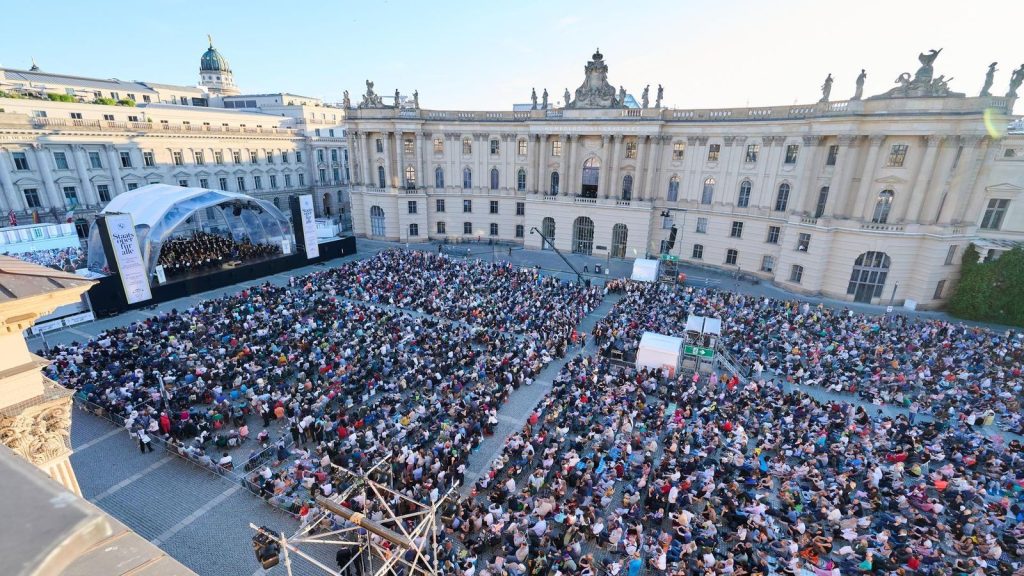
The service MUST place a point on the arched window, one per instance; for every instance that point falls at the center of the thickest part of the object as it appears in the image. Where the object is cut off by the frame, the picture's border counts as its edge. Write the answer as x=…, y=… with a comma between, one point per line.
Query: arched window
x=744, y=199
x=583, y=236
x=410, y=176
x=494, y=178
x=673, y=189
x=327, y=203
x=380, y=177
x=782, y=198
x=882, y=207
x=467, y=178
x=591, y=177
x=868, y=276
x=708, y=192
x=521, y=180
x=819, y=210
x=438, y=177
x=547, y=227
x=627, y=187
x=554, y=183
x=376, y=221
x=620, y=234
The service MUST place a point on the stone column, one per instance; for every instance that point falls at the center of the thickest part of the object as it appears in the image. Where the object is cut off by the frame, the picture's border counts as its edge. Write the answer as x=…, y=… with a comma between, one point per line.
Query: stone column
x=604, y=176
x=454, y=150
x=693, y=182
x=89, y=197
x=423, y=140
x=652, y=167
x=114, y=164
x=614, y=188
x=15, y=200
x=839, y=193
x=46, y=175
x=732, y=151
x=921, y=189
x=388, y=177
x=805, y=187
x=641, y=173
x=864, y=206
x=968, y=169
x=508, y=143
x=366, y=161
x=566, y=181
x=543, y=179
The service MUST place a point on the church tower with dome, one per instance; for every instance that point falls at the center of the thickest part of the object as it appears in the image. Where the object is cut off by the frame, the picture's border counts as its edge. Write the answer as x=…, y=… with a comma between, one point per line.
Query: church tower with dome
x=215, y=73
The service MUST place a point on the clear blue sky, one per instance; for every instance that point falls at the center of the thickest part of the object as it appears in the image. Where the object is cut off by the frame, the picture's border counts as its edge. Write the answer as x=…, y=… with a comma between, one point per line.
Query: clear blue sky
x=488, y=55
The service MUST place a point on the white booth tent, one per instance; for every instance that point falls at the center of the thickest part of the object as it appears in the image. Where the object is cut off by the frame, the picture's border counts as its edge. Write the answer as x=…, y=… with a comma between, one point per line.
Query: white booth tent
x=645, y=270
x=659, y=351
x=162, y=211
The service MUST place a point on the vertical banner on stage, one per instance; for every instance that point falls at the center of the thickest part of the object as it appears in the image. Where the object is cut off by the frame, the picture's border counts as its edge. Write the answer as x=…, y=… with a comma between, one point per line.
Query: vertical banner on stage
x=125, y=246
x=308, y=215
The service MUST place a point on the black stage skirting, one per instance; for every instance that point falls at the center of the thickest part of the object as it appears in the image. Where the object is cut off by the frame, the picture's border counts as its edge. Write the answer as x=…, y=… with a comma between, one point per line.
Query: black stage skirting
x=108, y=299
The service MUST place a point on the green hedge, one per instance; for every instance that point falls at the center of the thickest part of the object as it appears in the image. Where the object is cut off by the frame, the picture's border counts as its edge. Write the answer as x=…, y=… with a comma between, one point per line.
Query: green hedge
x=60, y=97
x=104, y=101
x=991, y=291
x=126, y=102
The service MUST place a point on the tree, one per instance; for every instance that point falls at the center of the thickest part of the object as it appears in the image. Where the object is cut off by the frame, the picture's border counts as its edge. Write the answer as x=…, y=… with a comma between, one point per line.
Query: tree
x=1008, y=295
x=992, y=291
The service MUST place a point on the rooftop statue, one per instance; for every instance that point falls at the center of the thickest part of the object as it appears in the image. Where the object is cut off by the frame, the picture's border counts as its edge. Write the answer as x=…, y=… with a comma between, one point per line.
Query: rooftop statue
x=988, y=80
x=922, y=84
x=345, y=101
x=371, y=99
x=826, y=89
x=533, y=99
x=860, y=85
x=1015, y=80
x=568, y=99
x=595, y=92
x=544, y=100
x=645, y=97
x=661, y=94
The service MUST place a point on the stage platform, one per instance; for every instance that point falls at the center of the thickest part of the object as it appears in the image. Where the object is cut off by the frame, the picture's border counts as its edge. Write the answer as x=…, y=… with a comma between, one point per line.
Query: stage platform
x=108, y=298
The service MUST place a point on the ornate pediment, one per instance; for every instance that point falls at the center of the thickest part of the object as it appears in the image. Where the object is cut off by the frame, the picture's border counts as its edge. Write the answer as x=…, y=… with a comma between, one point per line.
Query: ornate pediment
x=891, y=180
x=1005, y=188
x=595, y=92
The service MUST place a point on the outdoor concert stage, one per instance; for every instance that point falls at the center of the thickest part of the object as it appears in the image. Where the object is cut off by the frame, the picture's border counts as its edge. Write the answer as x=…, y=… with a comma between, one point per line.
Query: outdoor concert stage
x=108, y=295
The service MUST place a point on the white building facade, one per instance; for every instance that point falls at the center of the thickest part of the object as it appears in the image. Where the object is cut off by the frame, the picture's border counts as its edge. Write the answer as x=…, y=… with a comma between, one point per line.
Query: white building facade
x=845, y=199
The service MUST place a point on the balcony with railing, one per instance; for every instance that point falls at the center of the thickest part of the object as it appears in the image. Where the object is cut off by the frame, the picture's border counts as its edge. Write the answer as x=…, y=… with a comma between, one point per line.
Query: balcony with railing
x=123, y=126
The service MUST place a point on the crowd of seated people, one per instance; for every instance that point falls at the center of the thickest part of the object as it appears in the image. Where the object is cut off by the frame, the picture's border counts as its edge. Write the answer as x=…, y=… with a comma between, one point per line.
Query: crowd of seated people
x=66, y=259
x=936, y=367
x=203, y=252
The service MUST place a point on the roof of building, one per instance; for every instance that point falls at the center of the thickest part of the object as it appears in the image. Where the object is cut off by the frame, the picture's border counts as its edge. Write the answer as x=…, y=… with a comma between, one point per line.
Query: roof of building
x=212, y=61
x=282, y=94
x=193, y=89
x=41, y=79
x=19, y=279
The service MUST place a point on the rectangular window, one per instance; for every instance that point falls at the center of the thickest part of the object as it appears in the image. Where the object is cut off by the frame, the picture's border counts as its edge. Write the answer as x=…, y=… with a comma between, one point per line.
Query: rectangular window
x=467, y=205
x=494, y=206
x=897, y=154
x=241, y=183
x=257, y=182
x=439, y=205
x=133, y=118
x=270, y=156
x=467, y=146
x=176, y=155
x=39, y=114
x=520, y=208
x=334, y=152
x=103, y=190
x=467, y=227
x=803, y=242
x=773, y=235
x=320, y=155
x=678, y=149
x=316, y=131
x=134, y=185
x=951, y=254
x=147, y=159
x=938, y=290
x=737, y=230
x=556, y=148
x=833, y=155
x=752, y=151
x=287, y=180
x=199, y=158
x=273, y=181
x=20, y=161
x=126, y=159
x=791, y=152
x=412, y=206
x=336, y=174
x=218, y=157
x=70, y=196
x=495, y=149
x=702, y=225
x=236, y=156
x=183, y=183
x=298, y=156
x=302, y=180
x=994, y=213
x=494, y=229
x=95, y=161
x=631, y=149
x=522, y=147
x=438, y=146
x=767, y=263
x=61, y=160
x=223, y=182
x=380, y=146
x=323, y=175
x=204, y=183
x=108, y=117
x=698, y=252
x=731, y=256
x=519, y=230
x=414, y=229
x=440, y=228
x=76, y=115
x=713, y=151
x=32, y=198
x=254, y=157
x=284, y=156
x=796, y=273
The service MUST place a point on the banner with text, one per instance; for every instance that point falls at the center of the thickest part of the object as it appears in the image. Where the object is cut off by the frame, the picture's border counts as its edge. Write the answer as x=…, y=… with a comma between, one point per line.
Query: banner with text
x=308, y=226
x=125, y=244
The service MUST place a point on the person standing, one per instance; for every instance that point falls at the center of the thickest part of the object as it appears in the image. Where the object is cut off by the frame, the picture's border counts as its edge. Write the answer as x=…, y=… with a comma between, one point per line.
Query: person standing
x=145, y=442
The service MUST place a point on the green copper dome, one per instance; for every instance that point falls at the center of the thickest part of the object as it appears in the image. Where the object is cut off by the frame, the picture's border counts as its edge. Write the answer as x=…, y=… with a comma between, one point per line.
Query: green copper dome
x=212, y=61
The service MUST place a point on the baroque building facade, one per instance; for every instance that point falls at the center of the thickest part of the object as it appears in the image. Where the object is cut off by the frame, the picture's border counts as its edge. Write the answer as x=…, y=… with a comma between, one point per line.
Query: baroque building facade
x=868, y=200
x=63, y=157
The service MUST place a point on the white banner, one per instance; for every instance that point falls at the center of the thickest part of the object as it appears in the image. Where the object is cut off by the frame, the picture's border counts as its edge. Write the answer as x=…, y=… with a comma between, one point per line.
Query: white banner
x=129, y=258
x=161, y=274
x=286, y=246
x=308, y=226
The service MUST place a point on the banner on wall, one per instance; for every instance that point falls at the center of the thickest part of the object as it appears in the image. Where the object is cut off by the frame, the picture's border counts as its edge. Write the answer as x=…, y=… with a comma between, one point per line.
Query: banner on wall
x=125, y=246
x=308, y=216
